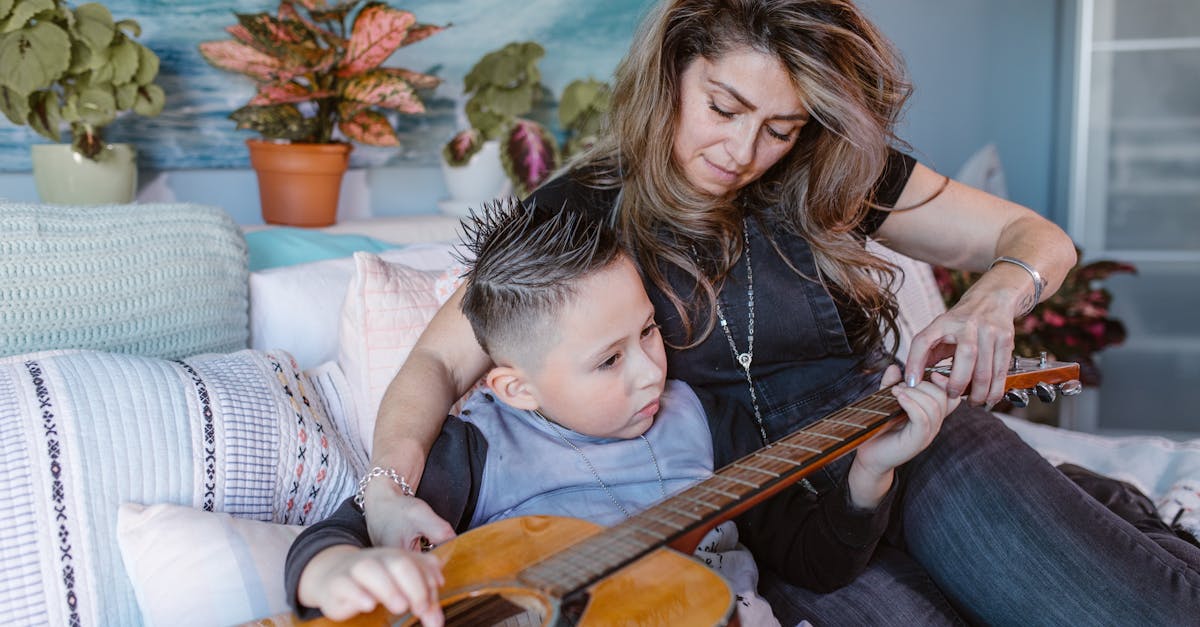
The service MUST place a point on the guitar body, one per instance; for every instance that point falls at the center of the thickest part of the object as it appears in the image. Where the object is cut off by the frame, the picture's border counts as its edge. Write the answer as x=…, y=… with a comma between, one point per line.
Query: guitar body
x=665, y=588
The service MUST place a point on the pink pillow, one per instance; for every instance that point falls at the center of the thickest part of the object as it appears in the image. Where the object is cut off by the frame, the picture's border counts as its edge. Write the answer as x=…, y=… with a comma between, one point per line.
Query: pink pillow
x=386, y=309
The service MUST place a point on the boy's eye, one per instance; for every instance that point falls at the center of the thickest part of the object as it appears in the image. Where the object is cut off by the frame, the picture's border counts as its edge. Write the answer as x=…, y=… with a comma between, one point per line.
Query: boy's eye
x=610, y=362
x=719, y=111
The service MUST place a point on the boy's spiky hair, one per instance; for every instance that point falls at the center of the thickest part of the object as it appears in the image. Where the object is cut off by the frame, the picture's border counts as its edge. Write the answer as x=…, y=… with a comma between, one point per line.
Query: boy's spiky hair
x=527, y=262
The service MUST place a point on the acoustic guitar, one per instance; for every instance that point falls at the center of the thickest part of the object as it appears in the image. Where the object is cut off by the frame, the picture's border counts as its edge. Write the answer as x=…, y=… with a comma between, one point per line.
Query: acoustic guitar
x=548, y=570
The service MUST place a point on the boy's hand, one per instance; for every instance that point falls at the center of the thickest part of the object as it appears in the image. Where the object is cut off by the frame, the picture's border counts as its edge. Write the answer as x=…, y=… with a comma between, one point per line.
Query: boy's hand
x=343, y=581
x=401, y=521
x=874, y=465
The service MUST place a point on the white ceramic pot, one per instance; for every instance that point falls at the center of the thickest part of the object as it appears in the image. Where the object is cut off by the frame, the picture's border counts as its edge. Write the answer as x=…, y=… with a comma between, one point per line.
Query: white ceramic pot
x=63, y=176
x=480, y=180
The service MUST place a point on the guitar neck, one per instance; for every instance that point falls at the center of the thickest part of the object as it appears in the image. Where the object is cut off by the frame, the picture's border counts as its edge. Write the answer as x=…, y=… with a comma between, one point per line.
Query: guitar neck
x=682, y=520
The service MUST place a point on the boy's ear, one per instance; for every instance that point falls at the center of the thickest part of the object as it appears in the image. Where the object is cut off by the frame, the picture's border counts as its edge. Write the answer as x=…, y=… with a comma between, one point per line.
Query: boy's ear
x=510, y=385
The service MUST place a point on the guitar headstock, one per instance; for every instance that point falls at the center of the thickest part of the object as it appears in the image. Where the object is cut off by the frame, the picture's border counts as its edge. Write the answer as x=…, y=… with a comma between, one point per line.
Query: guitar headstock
x=1043, y=377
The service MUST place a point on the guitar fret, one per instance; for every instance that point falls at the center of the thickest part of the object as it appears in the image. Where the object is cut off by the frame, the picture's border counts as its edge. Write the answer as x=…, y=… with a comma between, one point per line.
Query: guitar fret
x=843, y=422
x=748, y=484
x=680, y=512
x=715, y=490
x=826, y=436
x=783, y=460
x=653, y=518
x=712, y=506
x=809, y=449
x=754, y=469
x=630, y=542
x=646, y=531
x=874, y=411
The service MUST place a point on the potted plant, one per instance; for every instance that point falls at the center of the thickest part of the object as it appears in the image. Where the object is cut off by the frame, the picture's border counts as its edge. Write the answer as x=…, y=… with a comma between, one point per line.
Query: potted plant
x=504, y=149
x=80, y=69
x=321, y=84
x=581, y=112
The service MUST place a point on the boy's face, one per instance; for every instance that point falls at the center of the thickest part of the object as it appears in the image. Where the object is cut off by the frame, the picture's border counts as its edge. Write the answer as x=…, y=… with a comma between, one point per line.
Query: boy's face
x=608, y=369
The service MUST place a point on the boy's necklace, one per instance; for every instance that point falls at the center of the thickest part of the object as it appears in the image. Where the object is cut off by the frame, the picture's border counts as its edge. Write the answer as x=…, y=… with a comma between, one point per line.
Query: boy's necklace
x=744, y=359
x=612, y=497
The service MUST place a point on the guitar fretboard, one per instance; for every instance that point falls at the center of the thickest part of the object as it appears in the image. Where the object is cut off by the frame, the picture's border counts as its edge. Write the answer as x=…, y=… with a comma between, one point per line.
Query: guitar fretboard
x=704, y=505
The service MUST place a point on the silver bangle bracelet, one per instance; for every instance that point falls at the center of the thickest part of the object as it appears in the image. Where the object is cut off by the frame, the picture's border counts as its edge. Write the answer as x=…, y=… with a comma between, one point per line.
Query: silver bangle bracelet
x=1038, y=281
x=379, y=471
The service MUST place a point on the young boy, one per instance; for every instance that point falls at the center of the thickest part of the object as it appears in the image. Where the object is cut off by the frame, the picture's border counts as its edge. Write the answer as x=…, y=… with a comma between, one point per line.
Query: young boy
x=577, y=419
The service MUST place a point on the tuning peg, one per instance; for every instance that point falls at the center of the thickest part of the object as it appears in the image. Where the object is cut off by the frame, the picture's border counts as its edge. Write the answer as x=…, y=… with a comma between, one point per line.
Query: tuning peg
x=1018, y=397
x=1045, y=392
x=1070, y=388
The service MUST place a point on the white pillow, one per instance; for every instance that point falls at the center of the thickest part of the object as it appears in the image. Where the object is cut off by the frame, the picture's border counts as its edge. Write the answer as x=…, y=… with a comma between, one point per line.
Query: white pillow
x=82, y=432
x=296, y=308
x=387, y=307
x=191, y=567
x=917, y=295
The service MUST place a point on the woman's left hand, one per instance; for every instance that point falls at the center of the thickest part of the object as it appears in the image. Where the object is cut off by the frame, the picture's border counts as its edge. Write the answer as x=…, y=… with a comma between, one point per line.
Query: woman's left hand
x=978, y=333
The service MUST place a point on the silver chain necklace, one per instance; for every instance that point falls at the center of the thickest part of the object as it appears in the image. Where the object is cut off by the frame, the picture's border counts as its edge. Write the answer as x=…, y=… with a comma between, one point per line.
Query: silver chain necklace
x=745, y=359
x=604, y=486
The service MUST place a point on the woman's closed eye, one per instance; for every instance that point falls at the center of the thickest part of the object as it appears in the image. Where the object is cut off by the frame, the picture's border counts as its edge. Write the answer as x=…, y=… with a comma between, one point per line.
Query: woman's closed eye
x=719, y=111
x=650, y=330
x=775, y=134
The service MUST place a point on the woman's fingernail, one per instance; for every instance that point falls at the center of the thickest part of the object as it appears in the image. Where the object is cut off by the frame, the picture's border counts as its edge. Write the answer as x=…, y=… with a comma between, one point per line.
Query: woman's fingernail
x=911, y=381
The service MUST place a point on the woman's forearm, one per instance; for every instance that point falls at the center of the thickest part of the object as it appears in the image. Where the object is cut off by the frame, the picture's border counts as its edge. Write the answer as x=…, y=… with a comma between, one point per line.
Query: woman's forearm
x=444, y=364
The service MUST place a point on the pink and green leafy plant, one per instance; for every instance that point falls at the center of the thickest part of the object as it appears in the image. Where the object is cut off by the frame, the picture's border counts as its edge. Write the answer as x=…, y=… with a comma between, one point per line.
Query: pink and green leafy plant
x=529, y=155
x=1072, y=325
x=318, y=67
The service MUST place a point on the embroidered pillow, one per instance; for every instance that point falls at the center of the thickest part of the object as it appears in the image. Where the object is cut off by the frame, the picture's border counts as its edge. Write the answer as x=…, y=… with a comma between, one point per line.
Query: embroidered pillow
x=82, y=432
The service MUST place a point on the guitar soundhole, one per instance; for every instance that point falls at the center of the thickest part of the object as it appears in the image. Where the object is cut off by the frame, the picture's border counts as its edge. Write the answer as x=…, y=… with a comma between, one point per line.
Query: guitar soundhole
x=494, y=610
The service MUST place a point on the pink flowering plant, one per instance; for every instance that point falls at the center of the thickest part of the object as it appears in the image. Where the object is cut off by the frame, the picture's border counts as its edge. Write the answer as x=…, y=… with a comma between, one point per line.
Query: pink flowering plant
x=1072, y=325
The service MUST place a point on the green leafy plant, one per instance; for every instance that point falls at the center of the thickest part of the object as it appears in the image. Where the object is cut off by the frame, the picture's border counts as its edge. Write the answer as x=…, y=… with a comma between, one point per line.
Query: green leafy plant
x=1072, y=325
x=581, y=112
x=503, y=87
x=318, y=67
x=73, y=67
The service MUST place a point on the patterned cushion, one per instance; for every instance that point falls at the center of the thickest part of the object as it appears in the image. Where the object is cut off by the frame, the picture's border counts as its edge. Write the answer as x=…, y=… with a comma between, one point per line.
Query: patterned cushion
x=82, y=432
x=160, y=280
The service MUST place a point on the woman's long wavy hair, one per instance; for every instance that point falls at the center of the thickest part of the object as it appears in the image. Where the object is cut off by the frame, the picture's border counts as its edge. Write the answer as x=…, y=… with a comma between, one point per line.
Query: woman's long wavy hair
x=849, y=77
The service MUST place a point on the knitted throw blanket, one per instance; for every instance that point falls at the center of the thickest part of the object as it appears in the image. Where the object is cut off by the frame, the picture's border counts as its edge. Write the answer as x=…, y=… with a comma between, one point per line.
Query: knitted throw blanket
x=158, y=280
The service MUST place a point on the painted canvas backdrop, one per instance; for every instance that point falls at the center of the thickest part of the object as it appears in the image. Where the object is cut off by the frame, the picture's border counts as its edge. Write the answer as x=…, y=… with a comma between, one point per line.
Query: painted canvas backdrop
x=583, y=38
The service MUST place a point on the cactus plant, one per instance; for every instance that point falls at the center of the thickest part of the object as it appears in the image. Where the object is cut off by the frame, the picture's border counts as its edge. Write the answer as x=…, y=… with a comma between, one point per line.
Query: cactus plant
x=74, y=67
x=318, y=67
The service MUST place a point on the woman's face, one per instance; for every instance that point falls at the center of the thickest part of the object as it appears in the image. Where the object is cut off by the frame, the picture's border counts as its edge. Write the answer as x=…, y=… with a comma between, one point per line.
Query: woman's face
x=739, y=115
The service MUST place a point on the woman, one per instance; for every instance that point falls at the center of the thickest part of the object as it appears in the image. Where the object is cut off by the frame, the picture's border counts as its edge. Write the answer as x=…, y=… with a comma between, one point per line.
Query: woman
x=750, y=152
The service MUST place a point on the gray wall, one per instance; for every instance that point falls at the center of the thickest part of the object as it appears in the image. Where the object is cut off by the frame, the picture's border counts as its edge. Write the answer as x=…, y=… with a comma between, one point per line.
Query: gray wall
x=983, y=71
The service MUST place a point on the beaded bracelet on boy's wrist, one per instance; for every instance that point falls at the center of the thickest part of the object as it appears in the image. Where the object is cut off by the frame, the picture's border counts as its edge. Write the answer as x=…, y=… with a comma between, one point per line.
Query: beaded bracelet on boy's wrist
x=380, y=471
x=1038, y=281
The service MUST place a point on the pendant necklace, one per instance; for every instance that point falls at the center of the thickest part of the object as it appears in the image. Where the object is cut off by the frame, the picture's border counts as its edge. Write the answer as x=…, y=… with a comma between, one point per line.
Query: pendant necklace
x=745, y=359
x=604, y=486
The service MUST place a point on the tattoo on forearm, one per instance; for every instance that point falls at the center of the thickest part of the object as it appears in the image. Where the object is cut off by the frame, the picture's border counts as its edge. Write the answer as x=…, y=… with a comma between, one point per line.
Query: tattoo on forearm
x=1027, y=305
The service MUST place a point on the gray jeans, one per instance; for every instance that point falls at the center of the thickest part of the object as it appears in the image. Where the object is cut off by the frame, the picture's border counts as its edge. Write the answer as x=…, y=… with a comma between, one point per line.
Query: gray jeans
x=986, y=531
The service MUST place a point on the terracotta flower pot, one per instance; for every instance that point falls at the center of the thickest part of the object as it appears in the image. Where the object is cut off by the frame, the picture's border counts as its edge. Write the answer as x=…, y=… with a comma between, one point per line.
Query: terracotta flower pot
x=298, y=184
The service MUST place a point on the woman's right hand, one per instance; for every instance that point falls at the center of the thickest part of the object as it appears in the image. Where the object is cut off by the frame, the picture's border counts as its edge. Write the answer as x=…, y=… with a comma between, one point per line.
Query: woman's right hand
x=396, y=520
